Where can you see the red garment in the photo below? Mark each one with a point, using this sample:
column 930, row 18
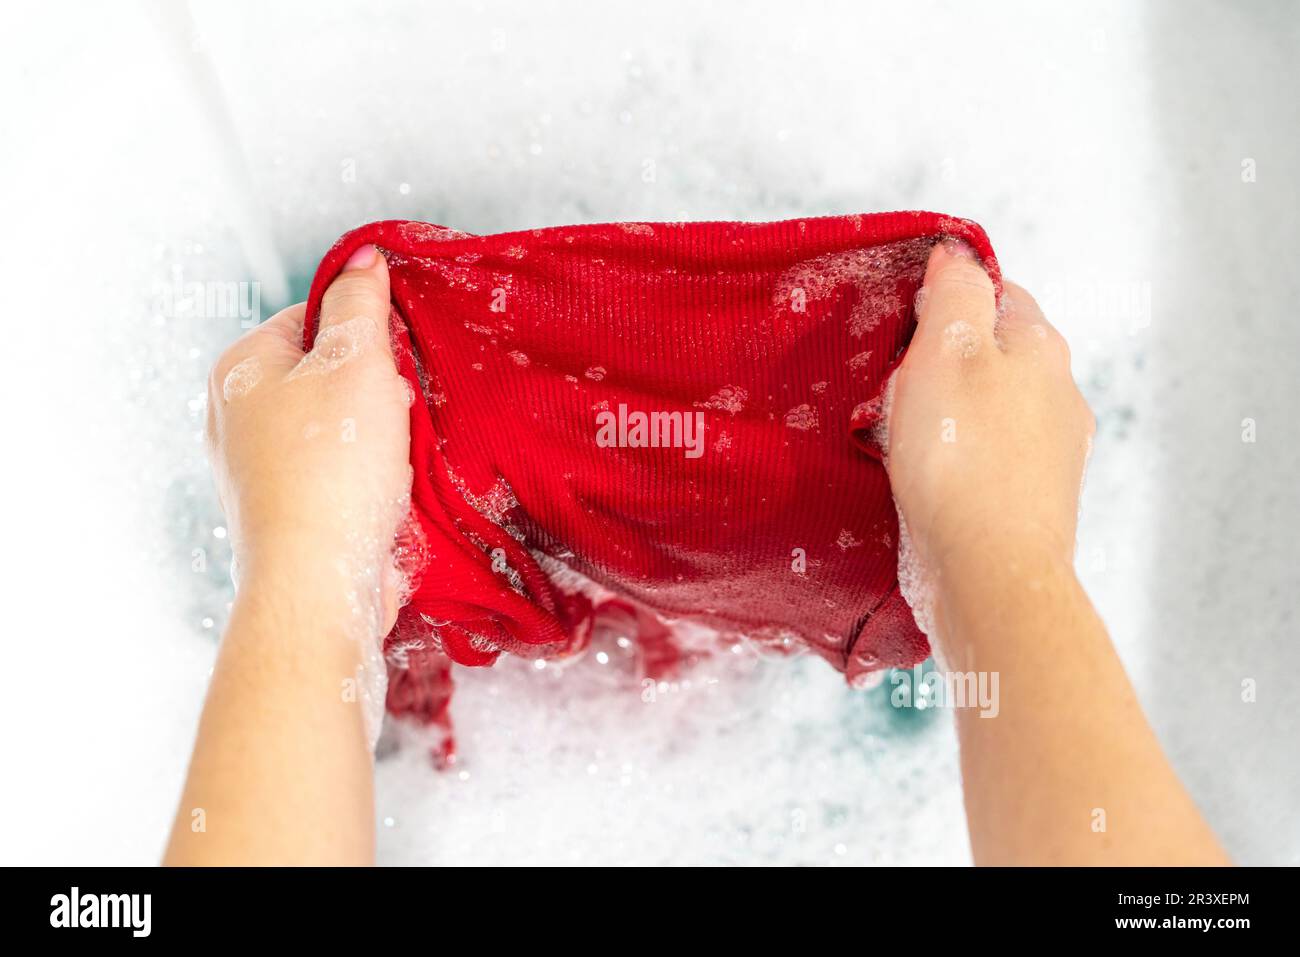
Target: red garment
column 538, row 352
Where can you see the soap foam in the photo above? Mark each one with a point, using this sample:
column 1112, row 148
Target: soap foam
column 960, row 338
column 242, row 378
column 802, row 417
column 873, row 273
column 335, row 346
column 916, row 582
column 730, row 399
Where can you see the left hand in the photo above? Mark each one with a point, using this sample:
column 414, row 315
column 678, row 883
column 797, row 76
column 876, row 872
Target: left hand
column 311, row 450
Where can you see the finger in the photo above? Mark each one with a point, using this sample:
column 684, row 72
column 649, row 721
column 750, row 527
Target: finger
column 1022, row 327
column 286, row 325
column 356, row 304
column 956, row 303
column 274, row 346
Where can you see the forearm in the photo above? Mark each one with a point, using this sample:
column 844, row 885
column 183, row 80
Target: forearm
column 281, row 772
column 1068, row 771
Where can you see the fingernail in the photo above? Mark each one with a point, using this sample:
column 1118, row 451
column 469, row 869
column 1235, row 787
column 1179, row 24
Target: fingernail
column 958, row 248
column 363, row 258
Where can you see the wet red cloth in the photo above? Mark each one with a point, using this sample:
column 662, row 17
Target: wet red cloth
column 780, row 335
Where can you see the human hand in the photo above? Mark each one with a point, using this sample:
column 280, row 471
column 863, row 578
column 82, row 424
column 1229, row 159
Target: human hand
column 988, row 434
column 311, row 451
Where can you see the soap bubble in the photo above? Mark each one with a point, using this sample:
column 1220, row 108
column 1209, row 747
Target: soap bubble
column 802, row 417
column 336, row 345
column 242, row 378
column 730, row 399
column 961, row 338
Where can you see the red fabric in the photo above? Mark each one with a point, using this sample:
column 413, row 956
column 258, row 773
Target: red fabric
column 781, row 335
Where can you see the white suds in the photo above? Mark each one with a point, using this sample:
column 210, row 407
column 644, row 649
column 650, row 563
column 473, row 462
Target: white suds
column 960, row 337
column 873, row 273
column 730, row 399
column 915, row 582
column 802, row 417
column 335, row 346
column 414, row 232
column 242, row 378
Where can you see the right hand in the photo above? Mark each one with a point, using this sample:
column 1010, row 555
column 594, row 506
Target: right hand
column 988, row 434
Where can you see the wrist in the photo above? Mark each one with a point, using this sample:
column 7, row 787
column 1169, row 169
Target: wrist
column 1001, row 553
column 987, row 543
column 321, row 588
column 982, row 586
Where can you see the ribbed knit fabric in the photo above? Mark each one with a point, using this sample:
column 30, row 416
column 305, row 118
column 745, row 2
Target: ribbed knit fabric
column 536, row 354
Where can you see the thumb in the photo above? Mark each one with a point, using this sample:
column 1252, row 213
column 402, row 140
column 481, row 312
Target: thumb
column 356, row 305
column 957, row 296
